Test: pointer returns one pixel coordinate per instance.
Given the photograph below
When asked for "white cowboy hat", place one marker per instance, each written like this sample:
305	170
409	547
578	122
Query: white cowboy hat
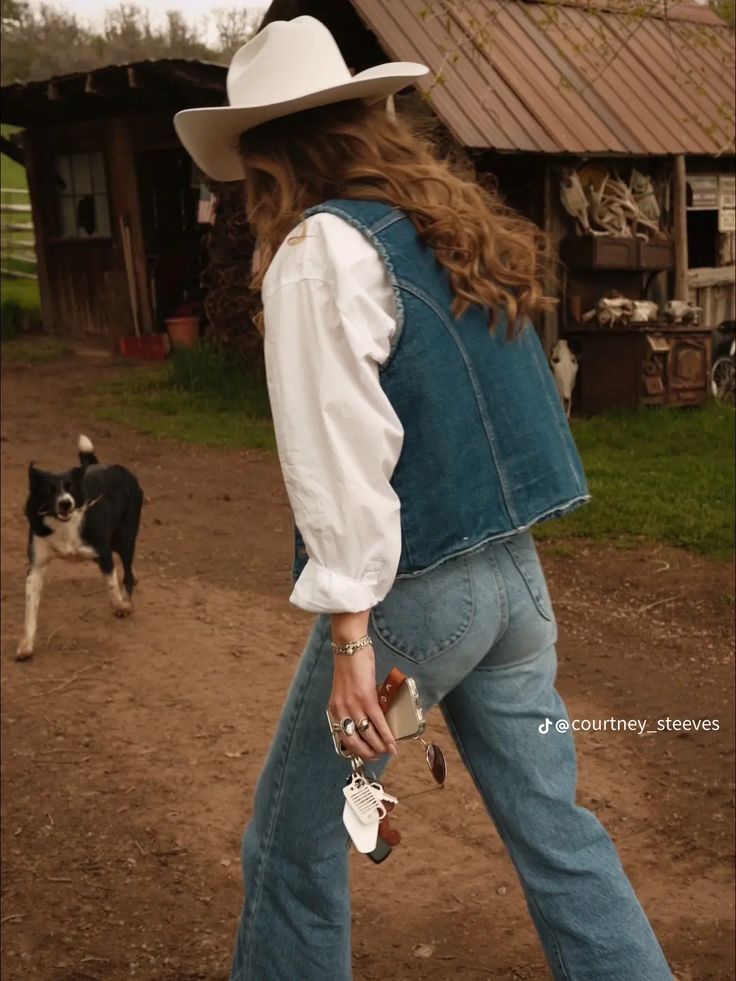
288	66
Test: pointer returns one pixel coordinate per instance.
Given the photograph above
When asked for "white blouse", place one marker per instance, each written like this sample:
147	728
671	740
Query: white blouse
329	315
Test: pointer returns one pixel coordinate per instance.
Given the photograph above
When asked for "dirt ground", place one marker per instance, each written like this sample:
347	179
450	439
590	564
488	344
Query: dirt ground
131	748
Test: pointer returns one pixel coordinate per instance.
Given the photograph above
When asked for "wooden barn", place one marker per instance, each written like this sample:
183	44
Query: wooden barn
537	93
530	92
115	202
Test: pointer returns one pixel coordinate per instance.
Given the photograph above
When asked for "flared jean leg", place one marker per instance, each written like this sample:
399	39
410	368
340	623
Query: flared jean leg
295	921
589	919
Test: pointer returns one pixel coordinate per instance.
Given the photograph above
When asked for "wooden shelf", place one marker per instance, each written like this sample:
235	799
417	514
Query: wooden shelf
601	252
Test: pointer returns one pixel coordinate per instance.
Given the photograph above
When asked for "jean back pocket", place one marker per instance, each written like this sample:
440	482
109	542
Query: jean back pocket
425	615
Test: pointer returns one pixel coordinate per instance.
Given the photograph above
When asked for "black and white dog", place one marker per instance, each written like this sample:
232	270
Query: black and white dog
89	512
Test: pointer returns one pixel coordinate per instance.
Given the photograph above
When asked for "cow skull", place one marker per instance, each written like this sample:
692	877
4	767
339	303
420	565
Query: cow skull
645	311
565	369
681	312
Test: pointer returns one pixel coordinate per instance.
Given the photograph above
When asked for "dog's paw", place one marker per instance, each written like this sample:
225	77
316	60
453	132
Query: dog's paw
123	611
25	651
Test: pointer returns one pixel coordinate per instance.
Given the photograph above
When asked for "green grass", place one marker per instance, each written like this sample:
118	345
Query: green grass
655	475
661	475
21	291
20	307
20	303
209	371
200	396
12	174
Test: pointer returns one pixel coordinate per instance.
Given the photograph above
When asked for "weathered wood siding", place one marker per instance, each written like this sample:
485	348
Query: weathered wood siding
83	283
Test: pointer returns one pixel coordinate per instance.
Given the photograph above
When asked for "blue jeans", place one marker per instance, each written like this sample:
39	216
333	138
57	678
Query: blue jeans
478	635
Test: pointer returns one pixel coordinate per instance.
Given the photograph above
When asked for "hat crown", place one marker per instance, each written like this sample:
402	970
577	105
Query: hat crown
283	61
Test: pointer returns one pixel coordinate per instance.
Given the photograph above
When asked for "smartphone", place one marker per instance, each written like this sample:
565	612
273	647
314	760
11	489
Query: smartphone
404	716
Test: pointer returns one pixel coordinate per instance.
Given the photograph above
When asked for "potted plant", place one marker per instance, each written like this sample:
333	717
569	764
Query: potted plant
183	324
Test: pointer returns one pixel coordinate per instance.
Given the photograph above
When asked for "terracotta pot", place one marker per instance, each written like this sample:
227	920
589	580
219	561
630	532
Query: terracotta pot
183	331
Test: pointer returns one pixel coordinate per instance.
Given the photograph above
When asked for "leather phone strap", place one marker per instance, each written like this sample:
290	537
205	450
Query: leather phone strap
387	693
390	688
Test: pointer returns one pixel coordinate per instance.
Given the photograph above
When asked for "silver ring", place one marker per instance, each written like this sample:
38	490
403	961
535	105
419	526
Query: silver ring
364	724
335	727
348	727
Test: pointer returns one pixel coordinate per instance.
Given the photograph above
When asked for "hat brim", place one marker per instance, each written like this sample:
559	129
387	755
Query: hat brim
210	134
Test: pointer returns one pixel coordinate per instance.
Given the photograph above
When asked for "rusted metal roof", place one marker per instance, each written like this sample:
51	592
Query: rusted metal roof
562	77
144	86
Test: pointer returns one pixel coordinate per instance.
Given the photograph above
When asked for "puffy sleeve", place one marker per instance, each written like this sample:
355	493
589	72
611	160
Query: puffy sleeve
328	324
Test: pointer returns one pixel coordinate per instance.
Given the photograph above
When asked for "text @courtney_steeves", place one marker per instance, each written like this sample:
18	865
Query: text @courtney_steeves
641	727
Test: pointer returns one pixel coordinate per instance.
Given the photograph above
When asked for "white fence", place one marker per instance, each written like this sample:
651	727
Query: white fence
17	250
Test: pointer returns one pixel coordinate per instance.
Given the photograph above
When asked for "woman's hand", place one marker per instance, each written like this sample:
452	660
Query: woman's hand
354	692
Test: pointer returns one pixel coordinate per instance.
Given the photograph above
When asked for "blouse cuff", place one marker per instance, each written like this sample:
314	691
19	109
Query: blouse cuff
320	590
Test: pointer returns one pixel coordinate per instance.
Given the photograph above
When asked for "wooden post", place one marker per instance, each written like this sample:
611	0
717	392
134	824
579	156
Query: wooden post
551	283
125	201
679	226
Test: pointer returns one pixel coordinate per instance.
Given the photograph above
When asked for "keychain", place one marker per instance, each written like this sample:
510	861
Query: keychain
363	836
365	807
367	799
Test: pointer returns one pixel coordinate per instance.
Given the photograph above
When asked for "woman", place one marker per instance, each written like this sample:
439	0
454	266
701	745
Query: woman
420	436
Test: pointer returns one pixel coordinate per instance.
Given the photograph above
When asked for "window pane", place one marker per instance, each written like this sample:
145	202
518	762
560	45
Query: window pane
62	176
98	172
67	217
103	214
81	173
86	216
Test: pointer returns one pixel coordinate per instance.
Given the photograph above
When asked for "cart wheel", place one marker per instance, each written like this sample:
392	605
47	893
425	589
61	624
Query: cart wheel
723	381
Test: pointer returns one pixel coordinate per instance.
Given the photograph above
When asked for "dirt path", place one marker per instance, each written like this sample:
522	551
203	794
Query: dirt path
131	748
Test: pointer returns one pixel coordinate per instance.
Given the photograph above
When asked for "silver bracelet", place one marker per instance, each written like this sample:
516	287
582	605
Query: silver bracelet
352	646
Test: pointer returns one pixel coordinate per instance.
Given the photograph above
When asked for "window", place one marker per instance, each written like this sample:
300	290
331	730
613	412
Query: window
80	195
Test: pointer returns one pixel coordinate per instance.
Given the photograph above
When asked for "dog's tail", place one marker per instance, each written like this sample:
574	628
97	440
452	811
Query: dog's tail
86	451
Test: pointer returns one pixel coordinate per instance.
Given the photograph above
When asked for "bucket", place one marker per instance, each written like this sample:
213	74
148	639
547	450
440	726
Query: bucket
149	347
183	331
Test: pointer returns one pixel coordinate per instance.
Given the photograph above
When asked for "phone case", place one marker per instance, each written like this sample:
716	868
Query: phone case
405	717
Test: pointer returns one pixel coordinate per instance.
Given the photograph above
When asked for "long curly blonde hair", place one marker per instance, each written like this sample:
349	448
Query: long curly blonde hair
493	256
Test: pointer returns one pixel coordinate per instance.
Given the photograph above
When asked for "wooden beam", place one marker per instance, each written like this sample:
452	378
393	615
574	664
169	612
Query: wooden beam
11	150
679	226
553	230
211	85
107	87
90	86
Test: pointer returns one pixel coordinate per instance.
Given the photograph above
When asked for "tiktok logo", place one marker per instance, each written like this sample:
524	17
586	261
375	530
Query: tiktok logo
561	725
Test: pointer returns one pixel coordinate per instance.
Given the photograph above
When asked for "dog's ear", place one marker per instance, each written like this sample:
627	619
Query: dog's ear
34	474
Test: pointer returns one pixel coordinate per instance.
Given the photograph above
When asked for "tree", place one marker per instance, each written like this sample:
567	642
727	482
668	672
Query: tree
13	12
234	26
45	41
39	43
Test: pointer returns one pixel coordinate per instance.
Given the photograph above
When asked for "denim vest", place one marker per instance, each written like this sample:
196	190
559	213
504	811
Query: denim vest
487	450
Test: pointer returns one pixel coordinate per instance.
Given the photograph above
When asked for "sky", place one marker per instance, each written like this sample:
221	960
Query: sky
195	11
